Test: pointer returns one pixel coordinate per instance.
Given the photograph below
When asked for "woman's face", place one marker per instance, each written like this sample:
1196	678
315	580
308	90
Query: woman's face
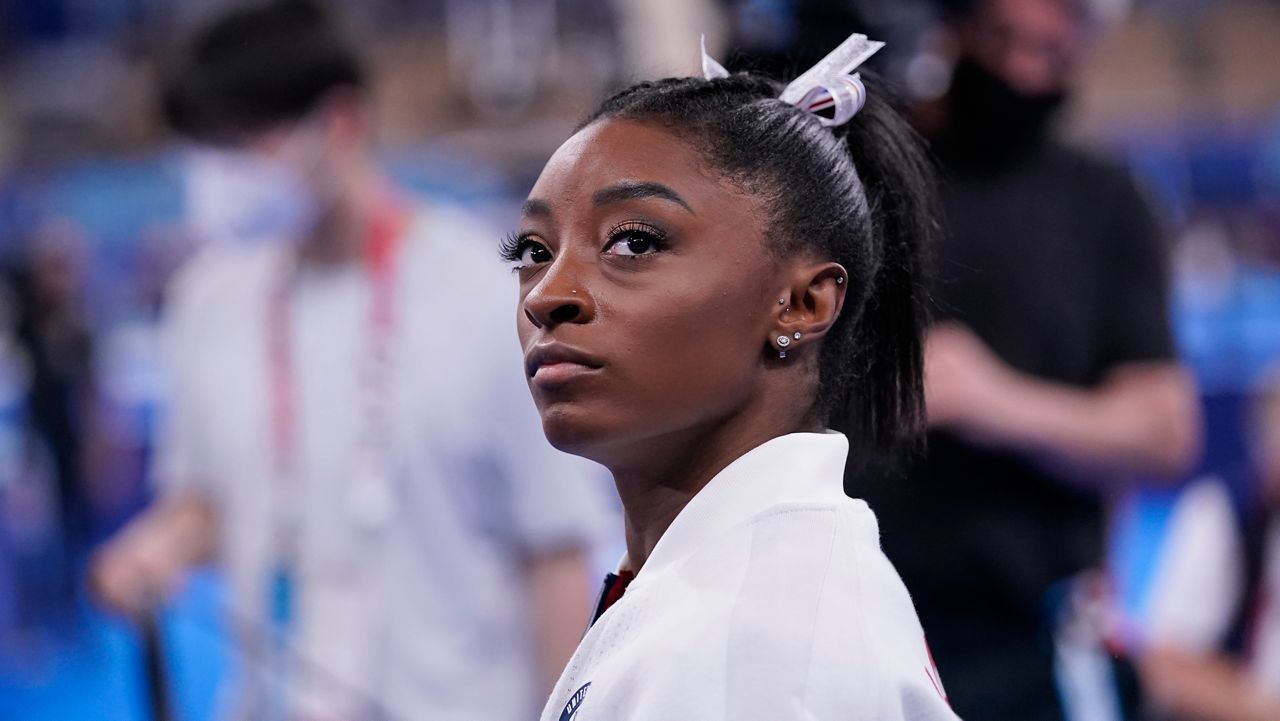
647	294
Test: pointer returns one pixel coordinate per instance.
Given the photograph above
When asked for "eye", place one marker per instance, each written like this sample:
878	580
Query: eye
532	253
524	251
635	239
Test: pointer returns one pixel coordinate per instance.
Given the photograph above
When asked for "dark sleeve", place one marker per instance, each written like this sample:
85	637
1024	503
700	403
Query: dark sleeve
1136	316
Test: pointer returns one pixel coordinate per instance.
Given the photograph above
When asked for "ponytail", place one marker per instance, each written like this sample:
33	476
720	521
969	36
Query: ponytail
885	399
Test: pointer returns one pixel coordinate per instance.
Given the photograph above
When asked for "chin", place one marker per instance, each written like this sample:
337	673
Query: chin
572	429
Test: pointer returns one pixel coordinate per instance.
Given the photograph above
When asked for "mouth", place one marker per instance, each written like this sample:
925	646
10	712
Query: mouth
550	364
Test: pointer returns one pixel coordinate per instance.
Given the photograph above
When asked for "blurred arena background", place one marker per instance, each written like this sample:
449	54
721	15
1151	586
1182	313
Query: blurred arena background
471	97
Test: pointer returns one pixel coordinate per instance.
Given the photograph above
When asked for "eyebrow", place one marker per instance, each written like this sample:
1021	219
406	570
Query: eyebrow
636	190
536	208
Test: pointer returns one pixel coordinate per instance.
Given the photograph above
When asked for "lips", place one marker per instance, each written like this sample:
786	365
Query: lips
553	363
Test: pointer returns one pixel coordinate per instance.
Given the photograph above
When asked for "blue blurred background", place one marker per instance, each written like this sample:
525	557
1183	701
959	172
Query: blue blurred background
471	97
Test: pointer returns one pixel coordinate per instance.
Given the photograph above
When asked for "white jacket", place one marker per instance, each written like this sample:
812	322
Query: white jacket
768	599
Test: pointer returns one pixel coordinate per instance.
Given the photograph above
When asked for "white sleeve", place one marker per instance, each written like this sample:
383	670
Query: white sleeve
1196	586
180	461
867	654
908	685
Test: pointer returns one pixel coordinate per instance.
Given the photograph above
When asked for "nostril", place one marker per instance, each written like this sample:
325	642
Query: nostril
564	313
532	317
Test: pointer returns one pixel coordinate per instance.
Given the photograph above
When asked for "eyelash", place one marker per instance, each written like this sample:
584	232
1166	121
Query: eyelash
512	246
657	236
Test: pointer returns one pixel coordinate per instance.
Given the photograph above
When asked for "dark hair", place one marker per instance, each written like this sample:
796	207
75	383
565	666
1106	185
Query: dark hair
861	195
258	66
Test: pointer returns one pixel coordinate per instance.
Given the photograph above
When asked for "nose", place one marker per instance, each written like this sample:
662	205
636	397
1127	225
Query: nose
558	298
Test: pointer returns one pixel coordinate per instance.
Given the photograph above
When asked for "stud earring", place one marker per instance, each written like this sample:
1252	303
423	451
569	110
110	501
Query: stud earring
781	301
783	342
797	335
840	280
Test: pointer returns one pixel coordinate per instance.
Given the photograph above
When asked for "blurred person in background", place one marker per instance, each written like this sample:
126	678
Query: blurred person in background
347	432
54	333
1050	373
28	517
1209	646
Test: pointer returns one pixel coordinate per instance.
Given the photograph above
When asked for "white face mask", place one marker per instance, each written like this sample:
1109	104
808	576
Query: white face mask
245	197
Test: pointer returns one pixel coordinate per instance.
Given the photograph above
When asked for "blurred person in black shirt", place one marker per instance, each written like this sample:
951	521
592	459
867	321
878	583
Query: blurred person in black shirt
1050	372
53	330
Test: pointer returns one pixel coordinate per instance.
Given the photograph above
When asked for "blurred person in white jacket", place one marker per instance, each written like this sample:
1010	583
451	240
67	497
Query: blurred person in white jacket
347	433
1208	636
711	271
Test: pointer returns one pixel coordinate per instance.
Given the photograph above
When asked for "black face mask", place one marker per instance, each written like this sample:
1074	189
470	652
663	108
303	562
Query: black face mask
991	123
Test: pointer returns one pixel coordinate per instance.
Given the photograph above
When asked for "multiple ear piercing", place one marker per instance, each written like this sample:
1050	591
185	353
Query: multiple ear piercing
785	341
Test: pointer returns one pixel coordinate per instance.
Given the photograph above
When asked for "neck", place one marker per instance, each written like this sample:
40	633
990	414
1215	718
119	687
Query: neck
340	235
661	475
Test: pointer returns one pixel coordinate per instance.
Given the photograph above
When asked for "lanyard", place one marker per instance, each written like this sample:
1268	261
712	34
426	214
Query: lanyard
380	251
372	487
382	246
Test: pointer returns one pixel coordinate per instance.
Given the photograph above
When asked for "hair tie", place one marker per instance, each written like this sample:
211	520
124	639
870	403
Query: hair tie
830	84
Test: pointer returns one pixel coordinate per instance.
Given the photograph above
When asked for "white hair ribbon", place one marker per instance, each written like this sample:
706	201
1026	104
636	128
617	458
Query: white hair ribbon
844	95
710	68
831	84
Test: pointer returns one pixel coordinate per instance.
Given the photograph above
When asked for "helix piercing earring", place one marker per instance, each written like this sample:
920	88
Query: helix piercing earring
840	280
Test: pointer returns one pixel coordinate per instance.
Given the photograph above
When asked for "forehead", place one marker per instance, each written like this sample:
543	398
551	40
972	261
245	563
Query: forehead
611	151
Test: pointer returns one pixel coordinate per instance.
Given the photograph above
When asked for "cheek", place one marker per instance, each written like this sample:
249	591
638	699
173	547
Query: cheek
680	363
689	356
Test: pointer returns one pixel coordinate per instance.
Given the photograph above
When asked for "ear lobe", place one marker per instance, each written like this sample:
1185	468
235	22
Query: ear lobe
817	297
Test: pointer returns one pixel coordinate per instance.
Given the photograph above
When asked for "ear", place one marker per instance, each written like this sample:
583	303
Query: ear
812	303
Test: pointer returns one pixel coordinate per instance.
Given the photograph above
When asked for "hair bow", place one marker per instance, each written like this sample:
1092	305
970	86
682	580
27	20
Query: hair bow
831	84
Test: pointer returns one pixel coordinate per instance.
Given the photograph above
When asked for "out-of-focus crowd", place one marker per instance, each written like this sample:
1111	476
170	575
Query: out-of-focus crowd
1094	533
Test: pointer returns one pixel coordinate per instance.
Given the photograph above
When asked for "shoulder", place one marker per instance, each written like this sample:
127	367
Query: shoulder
452	256
819	599
868	601
215	279
827	557
455	236
1081	159
811	546
1094	172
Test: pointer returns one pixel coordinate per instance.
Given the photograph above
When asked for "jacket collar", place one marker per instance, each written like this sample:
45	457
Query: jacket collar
795	468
